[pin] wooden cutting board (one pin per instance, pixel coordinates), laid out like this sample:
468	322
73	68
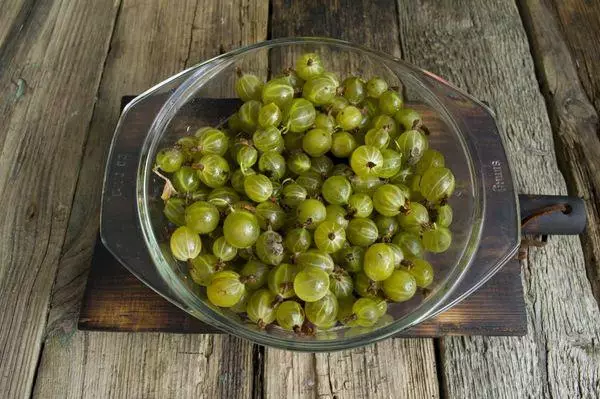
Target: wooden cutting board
115	300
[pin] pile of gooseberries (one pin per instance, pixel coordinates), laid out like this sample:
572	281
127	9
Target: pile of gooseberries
313	206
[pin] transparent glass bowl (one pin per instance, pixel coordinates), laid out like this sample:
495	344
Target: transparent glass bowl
461	128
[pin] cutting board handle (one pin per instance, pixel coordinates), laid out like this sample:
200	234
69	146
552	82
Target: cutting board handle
551	214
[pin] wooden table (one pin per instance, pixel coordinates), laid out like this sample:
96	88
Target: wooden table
64	66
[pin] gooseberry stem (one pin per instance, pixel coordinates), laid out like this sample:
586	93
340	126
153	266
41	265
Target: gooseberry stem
168	189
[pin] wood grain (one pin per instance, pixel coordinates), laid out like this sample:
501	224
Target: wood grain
14	13
482	47
373	24
574	119
101	365
49	74
128	47
152	40
579	25
389	369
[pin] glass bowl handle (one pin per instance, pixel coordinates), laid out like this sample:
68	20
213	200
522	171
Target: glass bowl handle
119	226
494	184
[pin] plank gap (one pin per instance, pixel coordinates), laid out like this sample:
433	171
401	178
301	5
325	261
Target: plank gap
270	20
439	367
258	371
37	368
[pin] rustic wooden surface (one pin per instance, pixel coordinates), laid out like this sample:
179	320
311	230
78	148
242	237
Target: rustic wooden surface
156	37
482	47
56	71
573	104
50	49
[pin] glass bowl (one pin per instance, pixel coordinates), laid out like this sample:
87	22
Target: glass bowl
461	128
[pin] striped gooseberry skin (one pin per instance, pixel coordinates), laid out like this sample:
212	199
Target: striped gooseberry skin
366	161
392	163
300	115
202	217
268	139
309	65
213	141
185	244
248	87
386	123
409	243
298	240
360	205
389	200
293	194
272	164
336	190
390	102
400	286
431	159
258	187
241	229
223	250
316	142
311	181
290	315
322	313
378	138
437	184
415	220
316	258
330	236
310	213
269	115
320	90
437	240
280	280
411	144
202	268
362	232
260	308
277	92
248	115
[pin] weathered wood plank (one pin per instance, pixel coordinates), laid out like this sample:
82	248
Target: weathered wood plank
14	13
482	47
579	20
49	75
135	43
573	117
102	365
152	40
396	368
290	375
393	368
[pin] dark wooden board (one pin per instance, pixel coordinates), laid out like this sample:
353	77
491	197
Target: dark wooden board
115	300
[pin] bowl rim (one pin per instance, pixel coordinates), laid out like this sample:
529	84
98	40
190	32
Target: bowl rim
199	75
